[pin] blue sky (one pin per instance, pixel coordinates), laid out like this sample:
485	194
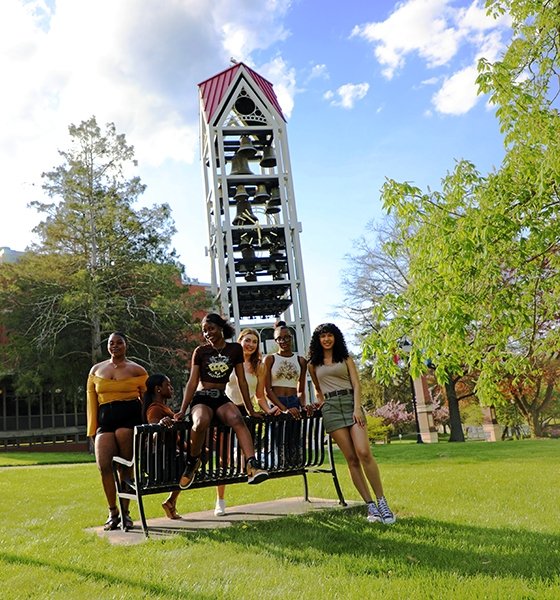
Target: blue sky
371	89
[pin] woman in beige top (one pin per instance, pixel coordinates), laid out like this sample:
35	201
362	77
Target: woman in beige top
337	387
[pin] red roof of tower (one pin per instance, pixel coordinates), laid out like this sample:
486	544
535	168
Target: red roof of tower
214	89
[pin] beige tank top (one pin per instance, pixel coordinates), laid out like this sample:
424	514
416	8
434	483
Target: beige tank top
333	377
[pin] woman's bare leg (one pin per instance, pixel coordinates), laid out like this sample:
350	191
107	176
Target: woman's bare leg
344	441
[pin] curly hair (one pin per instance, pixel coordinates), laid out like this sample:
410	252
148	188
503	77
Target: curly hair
315	354
226	327
256	357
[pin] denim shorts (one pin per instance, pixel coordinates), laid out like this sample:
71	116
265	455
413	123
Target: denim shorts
338	412
290	401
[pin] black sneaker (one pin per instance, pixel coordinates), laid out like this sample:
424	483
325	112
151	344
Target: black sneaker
187	478
254	472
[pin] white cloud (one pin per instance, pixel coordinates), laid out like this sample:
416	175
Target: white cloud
347	95
436	31
319	72
458	94
135	65
284	79
416	26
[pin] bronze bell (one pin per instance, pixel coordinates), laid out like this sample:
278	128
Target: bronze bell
245	240
268	159
244	214
240	165
261	195
246	147
266	242
241	193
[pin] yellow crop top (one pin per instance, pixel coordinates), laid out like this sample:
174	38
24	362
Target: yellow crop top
101	391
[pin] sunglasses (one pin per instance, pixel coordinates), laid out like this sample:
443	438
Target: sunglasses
285	338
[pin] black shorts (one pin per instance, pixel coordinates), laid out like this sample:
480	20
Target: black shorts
120	414
211	398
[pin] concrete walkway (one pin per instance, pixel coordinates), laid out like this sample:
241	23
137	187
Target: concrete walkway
163	527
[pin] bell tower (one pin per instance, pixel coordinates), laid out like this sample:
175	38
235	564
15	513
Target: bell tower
253	230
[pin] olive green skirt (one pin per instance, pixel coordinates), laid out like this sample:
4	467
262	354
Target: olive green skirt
338	412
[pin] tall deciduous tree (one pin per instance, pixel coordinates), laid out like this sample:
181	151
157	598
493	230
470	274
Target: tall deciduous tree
484	278
100	265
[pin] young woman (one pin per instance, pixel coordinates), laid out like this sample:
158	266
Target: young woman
156	410
114	391
211	367
337	387
254	374
285	374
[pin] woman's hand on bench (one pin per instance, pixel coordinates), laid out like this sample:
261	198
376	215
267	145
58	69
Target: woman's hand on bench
166	422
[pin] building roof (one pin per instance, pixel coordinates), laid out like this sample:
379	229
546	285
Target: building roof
214	89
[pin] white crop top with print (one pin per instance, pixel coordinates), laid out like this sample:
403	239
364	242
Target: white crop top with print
285	371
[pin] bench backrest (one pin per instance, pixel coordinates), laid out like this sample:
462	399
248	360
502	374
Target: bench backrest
283	446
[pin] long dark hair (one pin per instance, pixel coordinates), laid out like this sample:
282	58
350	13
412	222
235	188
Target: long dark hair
315	354
153	381
224	325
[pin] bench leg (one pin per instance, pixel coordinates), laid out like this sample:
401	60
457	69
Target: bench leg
305	488
334	475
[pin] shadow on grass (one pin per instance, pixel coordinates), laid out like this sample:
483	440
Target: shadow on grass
105	579
418	544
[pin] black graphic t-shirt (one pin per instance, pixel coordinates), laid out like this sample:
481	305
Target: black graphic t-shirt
216	365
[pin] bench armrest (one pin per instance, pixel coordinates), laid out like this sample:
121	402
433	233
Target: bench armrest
123	461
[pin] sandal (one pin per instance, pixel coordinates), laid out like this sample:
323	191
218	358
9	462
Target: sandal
113	520
127	521
170	511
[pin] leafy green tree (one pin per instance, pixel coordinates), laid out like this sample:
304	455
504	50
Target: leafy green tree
100	265
484	272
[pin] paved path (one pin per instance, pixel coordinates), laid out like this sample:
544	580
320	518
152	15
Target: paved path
164	527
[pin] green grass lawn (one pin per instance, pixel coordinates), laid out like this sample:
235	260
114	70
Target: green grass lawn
475	520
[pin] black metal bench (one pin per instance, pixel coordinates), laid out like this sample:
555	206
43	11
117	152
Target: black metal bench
284	446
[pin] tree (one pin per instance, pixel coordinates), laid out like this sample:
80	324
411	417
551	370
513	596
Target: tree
373	273
483	279
100	265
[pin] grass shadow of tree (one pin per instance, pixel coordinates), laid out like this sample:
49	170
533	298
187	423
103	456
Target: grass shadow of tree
420	544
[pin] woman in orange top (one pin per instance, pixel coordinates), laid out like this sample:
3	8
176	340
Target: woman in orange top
156	410
114	406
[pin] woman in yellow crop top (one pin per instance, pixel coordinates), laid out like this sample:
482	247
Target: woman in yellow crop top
114	406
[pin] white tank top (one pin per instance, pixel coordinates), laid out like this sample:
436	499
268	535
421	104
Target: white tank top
234	393
285	371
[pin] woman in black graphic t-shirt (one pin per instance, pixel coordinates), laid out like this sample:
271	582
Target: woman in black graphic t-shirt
212	365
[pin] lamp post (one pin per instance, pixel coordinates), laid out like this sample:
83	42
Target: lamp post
406	346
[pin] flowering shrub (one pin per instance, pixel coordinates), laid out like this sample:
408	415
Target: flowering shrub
395	415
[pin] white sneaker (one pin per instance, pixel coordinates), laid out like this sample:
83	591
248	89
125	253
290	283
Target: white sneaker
373	514
220	509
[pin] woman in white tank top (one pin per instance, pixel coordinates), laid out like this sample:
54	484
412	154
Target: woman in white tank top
285	375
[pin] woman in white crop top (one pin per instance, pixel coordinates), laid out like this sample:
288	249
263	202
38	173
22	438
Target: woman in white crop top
337	386
285	374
